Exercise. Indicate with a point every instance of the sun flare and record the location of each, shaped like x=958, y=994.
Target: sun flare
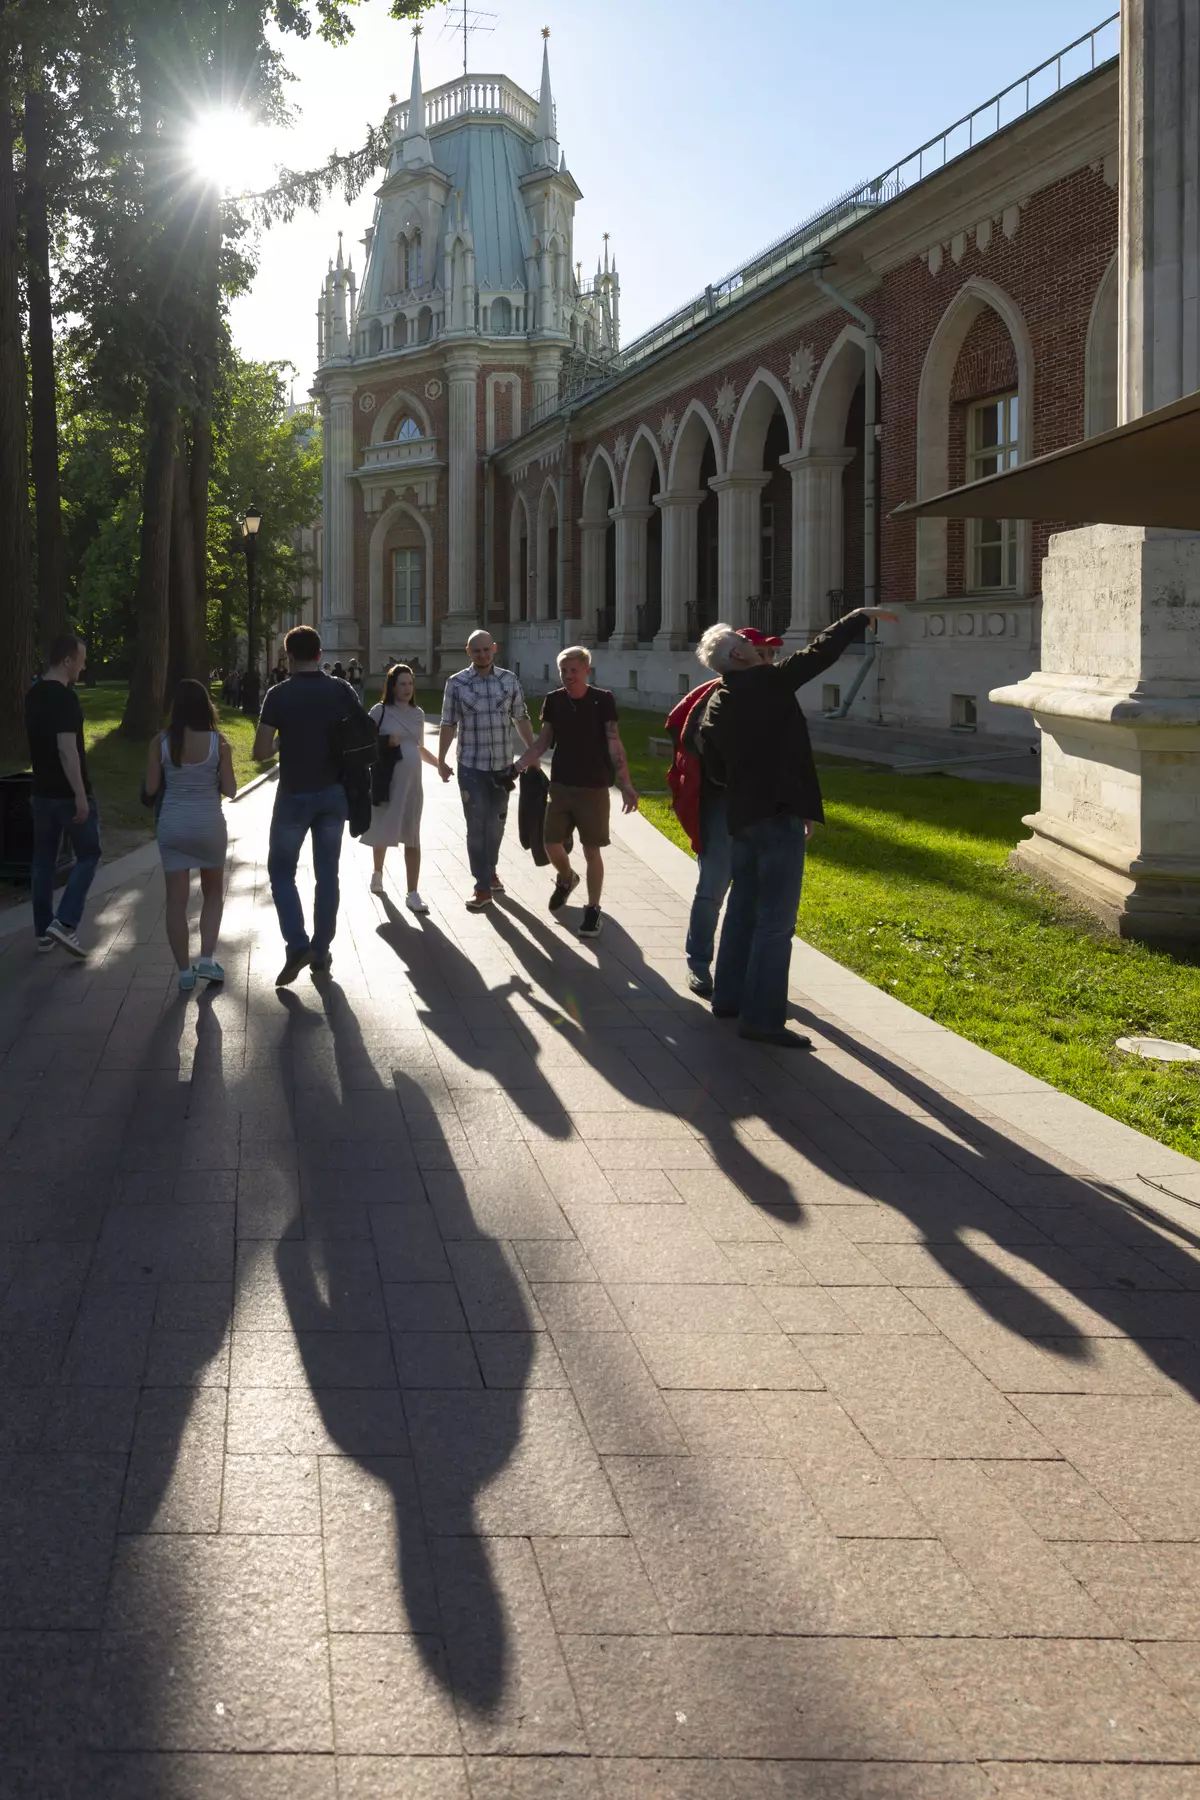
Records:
x=227, y=148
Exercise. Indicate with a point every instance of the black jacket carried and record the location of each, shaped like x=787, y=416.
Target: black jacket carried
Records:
x=754, y=737
x=531, y=816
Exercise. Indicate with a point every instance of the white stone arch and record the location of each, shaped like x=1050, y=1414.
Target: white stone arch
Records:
x=518, y=576
x=833, y=390
x=595, y=504
x=752, y=421
x=1100, y=406
x=644, y=458
x=393, y=410
x=547, y=519
x=379, y=651
x=933, y=421
x=687, y=452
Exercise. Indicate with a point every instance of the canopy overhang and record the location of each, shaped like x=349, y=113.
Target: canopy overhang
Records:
x=1144, y=473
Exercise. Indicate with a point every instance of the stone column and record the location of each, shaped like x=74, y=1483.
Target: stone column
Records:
x=1117, y=698
x=816, y=537
x=545, y=382
x=592, y=535
x=339, y=626
x=631, y=573
x=679, y=566
x=739, y=542
x=462, y=610
x=1159, y=239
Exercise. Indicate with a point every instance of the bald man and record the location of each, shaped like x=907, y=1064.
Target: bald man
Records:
x=481, y=706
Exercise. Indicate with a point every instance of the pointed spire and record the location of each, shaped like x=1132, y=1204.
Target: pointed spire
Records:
x=416, y=145
x=416, y=102
x=340, y=264
x=547, y=145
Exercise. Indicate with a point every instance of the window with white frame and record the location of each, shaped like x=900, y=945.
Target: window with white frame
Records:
x=992, y=430
x=408, y=429
x=406, y=587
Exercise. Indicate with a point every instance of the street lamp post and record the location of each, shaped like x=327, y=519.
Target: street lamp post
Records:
x=250, y=543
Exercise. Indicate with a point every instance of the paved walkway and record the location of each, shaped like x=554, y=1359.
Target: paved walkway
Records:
x=484, y=1377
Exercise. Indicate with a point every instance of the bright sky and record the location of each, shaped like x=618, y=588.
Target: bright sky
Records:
x=698, y=133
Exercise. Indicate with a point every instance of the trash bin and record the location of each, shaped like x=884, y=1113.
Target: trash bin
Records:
x=16, y=831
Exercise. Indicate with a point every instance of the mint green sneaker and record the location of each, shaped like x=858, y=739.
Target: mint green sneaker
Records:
x=209, y=969
x=187, y=980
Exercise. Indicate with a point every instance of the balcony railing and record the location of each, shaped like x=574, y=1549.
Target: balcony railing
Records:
x=649, y=623
x=493, y=96
x=771, y=617
x=399, y=453
x=606, y=623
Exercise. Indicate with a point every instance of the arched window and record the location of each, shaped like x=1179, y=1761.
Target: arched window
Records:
x=412, y=262
x=374, y=338
x=425, y=325
x=501, y=317
x=408, y=429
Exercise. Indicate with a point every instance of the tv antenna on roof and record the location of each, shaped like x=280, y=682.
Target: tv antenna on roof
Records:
x=468, y=19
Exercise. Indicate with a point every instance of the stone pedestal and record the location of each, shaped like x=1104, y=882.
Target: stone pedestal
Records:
x=1117, y=699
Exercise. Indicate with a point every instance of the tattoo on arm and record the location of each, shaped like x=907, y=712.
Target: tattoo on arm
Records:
x=616, y=750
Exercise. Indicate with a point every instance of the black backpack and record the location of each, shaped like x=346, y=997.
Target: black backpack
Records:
x=354, y=748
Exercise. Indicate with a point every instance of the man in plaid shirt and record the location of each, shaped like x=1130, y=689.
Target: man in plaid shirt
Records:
x=481, y=705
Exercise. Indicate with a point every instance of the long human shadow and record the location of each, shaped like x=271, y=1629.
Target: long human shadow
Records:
x=538, y=949
x=392, y=1286
x=1126, y=1261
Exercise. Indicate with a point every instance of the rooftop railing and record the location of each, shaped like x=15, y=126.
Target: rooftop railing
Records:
x=1074, y=63
x=493, y=96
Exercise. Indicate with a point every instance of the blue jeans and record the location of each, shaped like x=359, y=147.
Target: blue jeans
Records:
x=712, y=881
x=760, y=921
x=51, y=818
x=485, y=808
x=324, y=814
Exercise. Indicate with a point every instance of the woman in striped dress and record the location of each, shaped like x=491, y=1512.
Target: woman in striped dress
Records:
x=193, y=765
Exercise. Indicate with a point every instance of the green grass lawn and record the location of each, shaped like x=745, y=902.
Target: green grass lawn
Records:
x=907, y=885
x=117, y=765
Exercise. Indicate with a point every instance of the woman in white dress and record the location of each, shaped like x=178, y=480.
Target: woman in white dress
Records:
x=402, y=727
x=193, y=764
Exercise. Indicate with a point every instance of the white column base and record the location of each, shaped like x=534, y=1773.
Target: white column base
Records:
x=1118, y=829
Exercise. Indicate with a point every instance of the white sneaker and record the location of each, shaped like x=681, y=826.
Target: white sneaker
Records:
x=377, y=883
x=66, y=937
x=415, y=903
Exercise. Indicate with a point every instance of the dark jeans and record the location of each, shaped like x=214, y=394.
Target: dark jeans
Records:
x=324, y=814
x=51, y=818
x=485, y=808
x=712, y=881
x=751, y=977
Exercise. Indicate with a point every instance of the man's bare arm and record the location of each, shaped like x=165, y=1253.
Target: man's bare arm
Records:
x=446, y=737
x=616, y=750
x=264, y=743
x=538, y=746
x=525, y=731
x=68, y=756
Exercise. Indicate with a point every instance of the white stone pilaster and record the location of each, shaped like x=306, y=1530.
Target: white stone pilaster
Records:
x=593, y=534
x=739, y=542
x=631, y=524
x=338, y=626
x=816, y=536
x=546, y=364
x=679, y=566
x=1159, y=239
x=462, y=375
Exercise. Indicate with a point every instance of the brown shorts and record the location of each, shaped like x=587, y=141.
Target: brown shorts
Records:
x=581, y=809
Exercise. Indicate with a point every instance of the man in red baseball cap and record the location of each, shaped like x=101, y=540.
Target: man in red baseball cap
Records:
x=766, y=646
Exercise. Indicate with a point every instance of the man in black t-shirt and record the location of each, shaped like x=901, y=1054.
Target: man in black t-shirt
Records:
x=62, y=800
x=304, y=711
x=580, y=721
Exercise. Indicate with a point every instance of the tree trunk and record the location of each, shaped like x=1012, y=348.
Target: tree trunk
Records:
x=43, y=436
x=147, y=684
x=186, y=659
x=17, y=649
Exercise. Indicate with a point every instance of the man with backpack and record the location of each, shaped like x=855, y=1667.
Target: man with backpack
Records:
x=320, y=727
x=580, y=721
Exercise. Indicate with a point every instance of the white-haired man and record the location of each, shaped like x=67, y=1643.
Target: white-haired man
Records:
x=480, y=706
x=755, y=742
x=580, y=721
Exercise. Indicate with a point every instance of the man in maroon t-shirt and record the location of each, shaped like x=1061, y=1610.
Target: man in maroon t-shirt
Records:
x=580, y=721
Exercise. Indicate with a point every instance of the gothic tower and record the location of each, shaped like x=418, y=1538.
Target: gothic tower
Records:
x=458, y=339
